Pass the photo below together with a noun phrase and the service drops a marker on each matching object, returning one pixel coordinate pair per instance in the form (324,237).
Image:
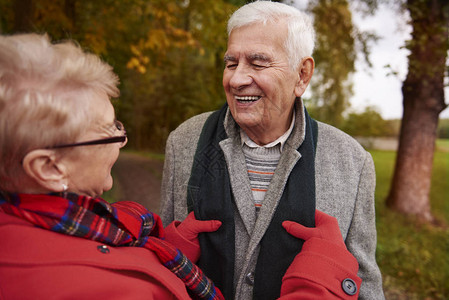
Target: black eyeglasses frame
(109,140)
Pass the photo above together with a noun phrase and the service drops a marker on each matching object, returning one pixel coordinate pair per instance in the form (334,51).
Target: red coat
(39,264)
(322,270)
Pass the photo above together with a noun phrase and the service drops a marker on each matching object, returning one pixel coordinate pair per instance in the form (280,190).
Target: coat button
(349,286)
(103,249)
(250,278)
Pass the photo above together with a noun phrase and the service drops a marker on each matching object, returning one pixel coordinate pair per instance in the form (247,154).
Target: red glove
(324,269)
(184,235)
(326,229)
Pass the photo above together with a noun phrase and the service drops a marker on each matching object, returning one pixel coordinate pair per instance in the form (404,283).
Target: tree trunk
(423,101)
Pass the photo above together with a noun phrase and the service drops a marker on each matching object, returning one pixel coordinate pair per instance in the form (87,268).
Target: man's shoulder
(194,124)
(333,138)
(188,132)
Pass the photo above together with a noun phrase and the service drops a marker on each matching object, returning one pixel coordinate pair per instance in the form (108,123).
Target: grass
(413,257)
(443,145)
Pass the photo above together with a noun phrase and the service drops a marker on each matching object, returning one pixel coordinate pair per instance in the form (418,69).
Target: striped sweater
(261,163)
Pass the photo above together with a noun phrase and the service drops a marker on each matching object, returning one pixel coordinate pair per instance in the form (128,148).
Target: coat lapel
(240,184)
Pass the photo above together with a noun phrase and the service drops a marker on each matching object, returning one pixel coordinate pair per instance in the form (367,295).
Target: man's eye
(231,66)
(257,66)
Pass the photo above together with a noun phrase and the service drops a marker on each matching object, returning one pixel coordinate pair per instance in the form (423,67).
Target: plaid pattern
(120,224)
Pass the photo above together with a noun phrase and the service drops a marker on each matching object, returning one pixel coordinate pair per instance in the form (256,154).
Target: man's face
(258,81)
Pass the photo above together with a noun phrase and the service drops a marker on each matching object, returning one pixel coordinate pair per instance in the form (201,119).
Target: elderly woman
(58,142)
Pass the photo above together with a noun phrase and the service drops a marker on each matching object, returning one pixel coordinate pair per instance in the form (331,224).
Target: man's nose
(241,77)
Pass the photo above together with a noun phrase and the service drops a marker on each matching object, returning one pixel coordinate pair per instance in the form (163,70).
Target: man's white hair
(300,40)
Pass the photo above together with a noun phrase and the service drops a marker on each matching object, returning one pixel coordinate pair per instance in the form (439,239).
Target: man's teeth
(247,98)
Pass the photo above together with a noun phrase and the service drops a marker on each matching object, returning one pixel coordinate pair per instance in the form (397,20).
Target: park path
(138,178)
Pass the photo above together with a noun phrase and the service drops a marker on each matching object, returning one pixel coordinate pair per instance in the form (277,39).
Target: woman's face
(88,168)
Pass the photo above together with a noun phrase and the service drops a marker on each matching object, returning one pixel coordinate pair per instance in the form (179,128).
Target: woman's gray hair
(46,92)
(300,40)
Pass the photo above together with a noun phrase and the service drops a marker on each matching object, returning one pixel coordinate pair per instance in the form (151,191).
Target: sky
(373,86)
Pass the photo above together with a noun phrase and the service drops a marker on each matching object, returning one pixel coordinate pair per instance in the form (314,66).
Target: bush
(369,123)
(443,129)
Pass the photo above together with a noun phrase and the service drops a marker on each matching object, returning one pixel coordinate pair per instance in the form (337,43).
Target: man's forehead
(258,46)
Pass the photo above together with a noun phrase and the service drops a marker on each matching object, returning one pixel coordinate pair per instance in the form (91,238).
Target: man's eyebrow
(227,58)
(259,56)
(250,57)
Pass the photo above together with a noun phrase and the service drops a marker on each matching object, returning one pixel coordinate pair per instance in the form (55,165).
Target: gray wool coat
(345,183)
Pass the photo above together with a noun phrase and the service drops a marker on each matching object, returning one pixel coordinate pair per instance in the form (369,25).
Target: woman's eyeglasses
(110,140)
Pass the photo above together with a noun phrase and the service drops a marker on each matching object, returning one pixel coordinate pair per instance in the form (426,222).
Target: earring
(64,187)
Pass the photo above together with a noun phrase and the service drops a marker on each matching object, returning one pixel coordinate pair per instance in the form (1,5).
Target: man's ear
(305,72)
(42,166)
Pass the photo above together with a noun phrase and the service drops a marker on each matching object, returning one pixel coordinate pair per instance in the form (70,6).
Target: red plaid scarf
(123,223)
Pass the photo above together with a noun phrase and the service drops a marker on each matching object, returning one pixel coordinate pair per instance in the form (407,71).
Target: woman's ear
(305,72)
(42,166)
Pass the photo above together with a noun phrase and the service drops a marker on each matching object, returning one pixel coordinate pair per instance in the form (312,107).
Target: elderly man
(261,160)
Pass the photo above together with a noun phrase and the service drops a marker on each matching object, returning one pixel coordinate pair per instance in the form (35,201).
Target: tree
(167,53)
(181,59)
(334,56)
(423,101)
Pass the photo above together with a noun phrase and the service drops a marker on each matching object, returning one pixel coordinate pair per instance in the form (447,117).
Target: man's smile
(247,99)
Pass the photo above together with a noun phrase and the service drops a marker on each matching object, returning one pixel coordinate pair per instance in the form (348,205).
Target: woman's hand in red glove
(326,228)
(184,235)
(324,269)
(190,227)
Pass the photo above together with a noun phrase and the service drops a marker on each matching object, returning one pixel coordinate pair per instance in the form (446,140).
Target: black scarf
(209,195)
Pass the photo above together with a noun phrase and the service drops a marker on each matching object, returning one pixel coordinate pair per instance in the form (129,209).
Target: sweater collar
(245,139)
